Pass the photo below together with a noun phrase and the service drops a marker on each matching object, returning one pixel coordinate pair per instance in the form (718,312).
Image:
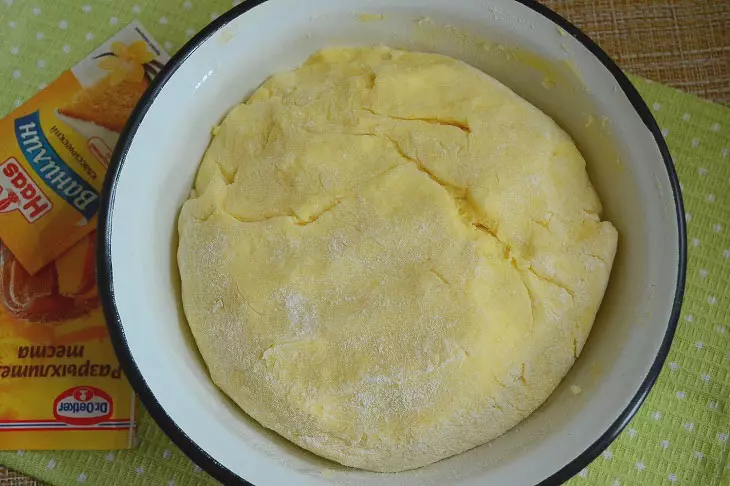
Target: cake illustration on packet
(62,290)
(100,110)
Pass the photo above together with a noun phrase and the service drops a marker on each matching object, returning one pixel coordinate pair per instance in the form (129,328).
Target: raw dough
(390,258)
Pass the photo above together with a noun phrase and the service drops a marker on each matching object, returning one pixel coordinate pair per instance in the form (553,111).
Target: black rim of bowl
(105,272)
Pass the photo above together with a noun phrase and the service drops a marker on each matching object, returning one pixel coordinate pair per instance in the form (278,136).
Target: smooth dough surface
(390,258)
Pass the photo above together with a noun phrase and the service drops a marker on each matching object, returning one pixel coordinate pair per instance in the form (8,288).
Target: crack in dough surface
(390,258)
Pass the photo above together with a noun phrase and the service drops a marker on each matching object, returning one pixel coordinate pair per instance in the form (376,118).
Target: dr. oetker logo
(83,405)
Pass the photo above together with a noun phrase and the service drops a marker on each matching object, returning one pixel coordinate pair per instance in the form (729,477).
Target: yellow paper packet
(54,149)
(61,386)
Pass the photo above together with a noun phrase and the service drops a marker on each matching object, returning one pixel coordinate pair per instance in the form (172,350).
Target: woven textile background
(682,43)
(680,435)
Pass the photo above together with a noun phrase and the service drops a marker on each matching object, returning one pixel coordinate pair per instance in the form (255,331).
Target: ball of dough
(390,258)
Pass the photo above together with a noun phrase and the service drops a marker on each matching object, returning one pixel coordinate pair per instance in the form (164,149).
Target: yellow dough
(390,258)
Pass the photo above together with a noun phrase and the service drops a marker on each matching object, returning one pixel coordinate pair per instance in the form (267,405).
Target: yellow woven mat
(10,478)
(682,43)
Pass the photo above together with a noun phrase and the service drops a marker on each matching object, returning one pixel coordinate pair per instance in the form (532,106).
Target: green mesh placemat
(680,435)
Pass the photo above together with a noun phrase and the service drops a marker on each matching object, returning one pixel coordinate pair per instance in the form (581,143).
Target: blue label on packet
(51,168)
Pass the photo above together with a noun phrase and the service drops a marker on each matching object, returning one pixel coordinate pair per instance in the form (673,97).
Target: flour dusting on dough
(390,258)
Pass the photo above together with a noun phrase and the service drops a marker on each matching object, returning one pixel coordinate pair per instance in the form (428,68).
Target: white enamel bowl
(527,47)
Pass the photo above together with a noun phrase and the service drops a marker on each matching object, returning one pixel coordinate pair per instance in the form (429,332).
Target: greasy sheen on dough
(390,258)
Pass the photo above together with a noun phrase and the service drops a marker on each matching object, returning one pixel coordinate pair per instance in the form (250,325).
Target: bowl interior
(508,40)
